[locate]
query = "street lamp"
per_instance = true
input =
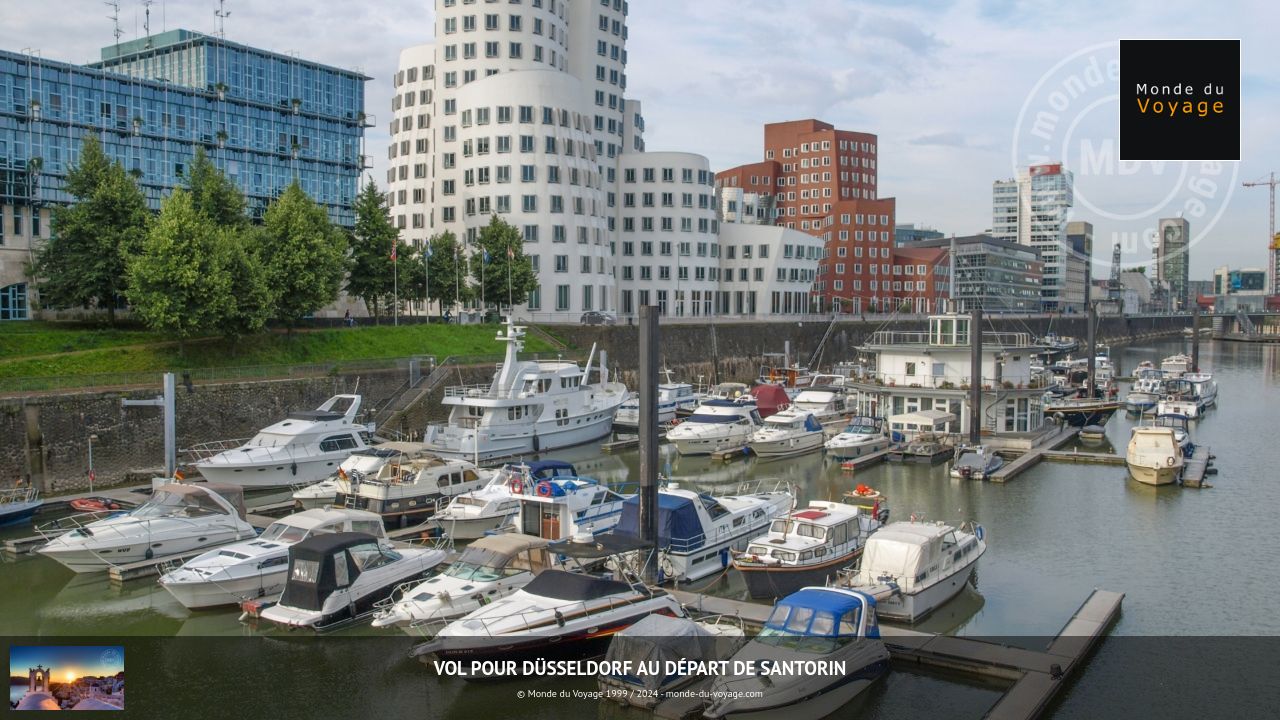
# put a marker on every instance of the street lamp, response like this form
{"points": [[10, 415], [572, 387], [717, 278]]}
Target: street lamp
{"points": [[92, 437]]}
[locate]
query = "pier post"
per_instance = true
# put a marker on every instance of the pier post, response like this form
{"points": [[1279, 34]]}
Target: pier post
{"points": [[170, 427], [1195, 337], [648, 378], [975, 370], [1092, 320]]}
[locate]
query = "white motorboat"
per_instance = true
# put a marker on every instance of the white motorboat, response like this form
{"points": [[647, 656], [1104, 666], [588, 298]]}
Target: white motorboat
{"points": [[18, 504], [789, 432], [305, 447], [862, 436], [362, 463], [673, 398], [975, 462], [490, 568], [806, 547], [697, 533], [1175, 365], [179, 518], [665, 639], [835, 625], [1153, 456], [555, 503], [1181, 398], [1181, 431], [1146, 391], [472, 514], [258, 567], [531, 406], [405, 493], [1203, 388], [912, 568], [336, 578], [829, 403], [715, 426]]}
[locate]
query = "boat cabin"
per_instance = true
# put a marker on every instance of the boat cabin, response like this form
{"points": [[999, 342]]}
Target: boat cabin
{"points": [[914, 555], [835, 615], [909, 426], [324, 564]]}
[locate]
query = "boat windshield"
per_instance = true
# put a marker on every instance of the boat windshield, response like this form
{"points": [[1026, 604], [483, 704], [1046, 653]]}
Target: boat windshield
{"points": [[709, 419], [167, 504], [802, 529], [481, 565], [283, 532], [861, 429], [805, 629]]}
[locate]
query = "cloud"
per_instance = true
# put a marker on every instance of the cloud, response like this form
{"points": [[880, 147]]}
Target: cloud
{"points": [[943, 139]]}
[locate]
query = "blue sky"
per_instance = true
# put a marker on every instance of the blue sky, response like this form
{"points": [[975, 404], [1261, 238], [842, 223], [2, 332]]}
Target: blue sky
{"points": [[81, 659], [942, 82]]}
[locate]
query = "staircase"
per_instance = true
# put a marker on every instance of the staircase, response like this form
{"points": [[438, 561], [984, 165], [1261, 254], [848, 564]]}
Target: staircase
{"points": [[1245, 323], [407, 399]]}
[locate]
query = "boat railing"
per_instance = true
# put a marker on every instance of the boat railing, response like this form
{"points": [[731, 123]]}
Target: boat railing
{"points": [[531, 620], [479, 390], [205, 450], [10, 496]]}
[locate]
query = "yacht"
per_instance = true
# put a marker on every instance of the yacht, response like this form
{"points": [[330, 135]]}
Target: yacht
{"points": [[531, 406], [665, 638], [1080, 411], [862, 436], [1203, 387], [362, 463], [828, 403], [1181, 399], [806, 547], [18, 504], [975, 462], [1145, 392], [178, 518], [555, 503], [813, 624], [473, 514], [335, 579], [912, 568], [558, 614], [1153, 456], [715, 426], [488, 569], [1175, 365], [790, 432], [697, 533], [305, 447], [410, 492], [258, 567], [673, 399]]}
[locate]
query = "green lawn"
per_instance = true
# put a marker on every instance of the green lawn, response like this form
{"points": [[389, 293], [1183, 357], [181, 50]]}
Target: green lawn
{"points": [[305, 346]]}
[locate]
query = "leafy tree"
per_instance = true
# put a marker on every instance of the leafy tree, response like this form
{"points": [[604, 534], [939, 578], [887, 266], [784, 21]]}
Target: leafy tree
{"points": [[371, 274], [504, 246], [304, 255], [447, 269], [252, 301], [213, 194], [84, 262]]}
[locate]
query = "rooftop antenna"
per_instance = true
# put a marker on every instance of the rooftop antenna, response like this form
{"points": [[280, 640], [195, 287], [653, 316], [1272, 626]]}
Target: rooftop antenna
{"points": [[146, 20], [223, 13], [114, 17]]}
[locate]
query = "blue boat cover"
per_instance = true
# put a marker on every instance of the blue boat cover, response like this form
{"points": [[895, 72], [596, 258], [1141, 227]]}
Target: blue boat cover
{"points": [[798, 612], [677, 519], [811, 424], [543, 469]]}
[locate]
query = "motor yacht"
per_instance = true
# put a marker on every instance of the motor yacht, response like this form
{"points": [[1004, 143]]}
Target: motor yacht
{"points": [[473, 514], [790, 432], [975, 462], [1145, 392], [409, 492], [18, 504], [862, 436], [673, 399], [1175, 365], [362, 463], [555, 503], [1153, 456], [828, 403], [1203, 387], [716, 425]]}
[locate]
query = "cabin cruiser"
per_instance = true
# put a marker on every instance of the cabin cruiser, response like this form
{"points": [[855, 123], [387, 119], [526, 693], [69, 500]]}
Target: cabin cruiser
{"points": [[410, 492], [531, 406], [665, 639], [555, 503], [698, 532], [335, 578], [862, 436], [362, 463], [178, 518], [715, 426], [792, 378], [558, 614], [18, 504], [835, 625], [258, 567], [1145, 392], [1181, 431], [1153, 456], [912, 568], [1175, 365], [729, 391], [1080, 411], [790, 432], [673, 399], [305, 447], [806, 547], [488, 569], [828, 403], [1203, 387], [975, 462], [1181, 398], [473, 514]]}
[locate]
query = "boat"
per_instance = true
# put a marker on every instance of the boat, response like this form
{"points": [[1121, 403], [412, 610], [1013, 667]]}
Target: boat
{"points": [[1182, 399], [178, 518], [305, 447], [806, 547], [335, 579], [94, 505], [836, 627], [729, 391], [473, 514], [912, 568], [1175, 365], [406, 493], [827, 402], [1181, 431], [258, 567], [1079, 412], [925, 447], [792, 378], [717, 425], [673, 399], [1058, 345], [488, 569], [770, 399], [975, 462], [1145, 392], [530, 406], [698, 532], [361, 463], [559, 614], [871, 500], [664, 639], [1153, 456], [862, 436], [555, 503], [1093, 434], [1203, 388], [18, 504], [790, 432]]}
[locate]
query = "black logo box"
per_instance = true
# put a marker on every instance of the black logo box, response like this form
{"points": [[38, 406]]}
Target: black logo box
{"points": [[1205, 73]]}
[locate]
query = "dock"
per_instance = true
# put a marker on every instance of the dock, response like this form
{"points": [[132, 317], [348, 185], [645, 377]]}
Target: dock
{"points": [[1197, 467], [1031, 457], [626, 443], [862, 461], [731, 453]]}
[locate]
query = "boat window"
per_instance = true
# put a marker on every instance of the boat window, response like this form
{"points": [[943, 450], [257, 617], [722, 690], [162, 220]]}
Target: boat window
{"points": [[283, 532], [305, 571], [370, 527], [340, 575], [167, 504], [819, 551], [367, 556], [714, 509], [334, 443], [784, 555], [799, 619], [778, 526], [806, 555], [739, 521], [824, 623], [274, 562], [841, 534], [470, 476], [231, 553], [849, 623]]}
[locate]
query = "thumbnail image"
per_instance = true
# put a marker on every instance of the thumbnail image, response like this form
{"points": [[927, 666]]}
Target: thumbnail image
{"points": [[66, 677]]}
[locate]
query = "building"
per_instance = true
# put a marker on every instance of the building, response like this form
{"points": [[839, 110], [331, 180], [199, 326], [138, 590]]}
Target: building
{"points": [[1032, 209], [1137, 294], [265, 119], [766, 269], [991, 274], [907, 234], [1173, 260], [1242, 289], [1080, 242], [921, 279]]}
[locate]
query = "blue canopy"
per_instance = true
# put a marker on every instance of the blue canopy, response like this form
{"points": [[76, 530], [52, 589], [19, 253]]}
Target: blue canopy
{"points": [[678, 526], [543, 469], [822, 612], [811, 424]]}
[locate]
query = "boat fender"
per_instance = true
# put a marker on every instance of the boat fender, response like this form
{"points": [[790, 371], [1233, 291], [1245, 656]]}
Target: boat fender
{"points": [[148, 554], [559, 618], [293, 467], [536, 444], [979, 532], [724, 557], [544, 489]]}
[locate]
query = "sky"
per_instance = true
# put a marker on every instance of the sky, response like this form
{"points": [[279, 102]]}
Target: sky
{"points": [[943, 83], [80, 660]]}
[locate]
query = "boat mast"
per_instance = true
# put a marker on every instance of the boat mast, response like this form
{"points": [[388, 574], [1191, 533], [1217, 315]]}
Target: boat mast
{"points": [[975, 370]]}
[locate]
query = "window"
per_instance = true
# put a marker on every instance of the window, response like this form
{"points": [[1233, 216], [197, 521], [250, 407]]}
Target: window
{"points": [[562, 297]]}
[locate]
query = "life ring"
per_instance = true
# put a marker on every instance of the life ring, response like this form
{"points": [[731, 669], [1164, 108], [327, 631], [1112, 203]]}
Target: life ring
{"points": [[543, 489], [1171, 460], [516, 485], [863, 490], [1170, 398]]}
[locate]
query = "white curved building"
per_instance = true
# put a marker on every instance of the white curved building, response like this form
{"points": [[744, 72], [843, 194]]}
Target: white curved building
{"points": [[411, 168]]}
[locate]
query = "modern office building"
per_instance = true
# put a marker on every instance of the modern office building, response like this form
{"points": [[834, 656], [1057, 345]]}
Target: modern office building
{"points": [[1032, 209], [1080, 241], [767, 269], [264, 118], [1173, 260], [992, 274], [907, 234]]}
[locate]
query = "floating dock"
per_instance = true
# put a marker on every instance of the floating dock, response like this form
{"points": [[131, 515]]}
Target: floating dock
{"points": [[1031, 457], [1197, 467], [626, 443]]}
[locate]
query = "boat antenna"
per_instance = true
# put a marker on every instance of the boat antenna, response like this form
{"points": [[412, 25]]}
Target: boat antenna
{"points": [[787, 528]]}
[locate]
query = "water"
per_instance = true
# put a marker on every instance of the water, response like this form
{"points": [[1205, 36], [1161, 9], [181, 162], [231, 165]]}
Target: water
{"points": [[1055, 533]]}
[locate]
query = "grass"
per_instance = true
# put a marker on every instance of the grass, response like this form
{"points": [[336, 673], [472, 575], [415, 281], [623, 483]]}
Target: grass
{"points": [[124, 351]]}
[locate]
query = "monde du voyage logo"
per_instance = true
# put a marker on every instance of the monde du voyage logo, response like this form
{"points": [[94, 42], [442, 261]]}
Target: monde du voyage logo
{"points": [[1180, 99]]}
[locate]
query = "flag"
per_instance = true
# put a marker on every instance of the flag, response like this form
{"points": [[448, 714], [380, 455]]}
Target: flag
{"points": [[427, 249], [486, 257], [511, 254], [393, 254]]}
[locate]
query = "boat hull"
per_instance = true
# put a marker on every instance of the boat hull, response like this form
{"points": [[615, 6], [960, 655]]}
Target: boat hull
{"points": [[848, 452], [197, 595], [1079, 417], [910, 608], [708, 444], [575, 644], [278, 473], [18, 512], [1155, 475], [787, 446], [768, 582], [548, 438], [82, 559]]}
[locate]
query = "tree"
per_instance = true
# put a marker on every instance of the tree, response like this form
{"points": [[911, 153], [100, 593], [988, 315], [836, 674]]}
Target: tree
{"points": [[213, 194], [503, 246], [303, 253], [371, 273], [252, 300], [448, 275], [84, 262], [178, 282]]}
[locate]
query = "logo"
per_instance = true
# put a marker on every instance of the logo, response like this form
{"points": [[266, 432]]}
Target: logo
{"points": [[1180, 99]]}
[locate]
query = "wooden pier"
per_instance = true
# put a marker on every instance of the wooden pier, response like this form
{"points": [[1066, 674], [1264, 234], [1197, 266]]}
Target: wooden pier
{"points": [[626, 443], [1197, 467], [863, 461], [1031, 457], [731, 454]]}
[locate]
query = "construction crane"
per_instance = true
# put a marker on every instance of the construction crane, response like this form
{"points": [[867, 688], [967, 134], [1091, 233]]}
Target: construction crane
{"points": [[1273, 246]]}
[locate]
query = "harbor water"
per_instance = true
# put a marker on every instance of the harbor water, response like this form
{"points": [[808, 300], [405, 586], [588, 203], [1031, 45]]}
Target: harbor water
{"points": [[1054, 533]]}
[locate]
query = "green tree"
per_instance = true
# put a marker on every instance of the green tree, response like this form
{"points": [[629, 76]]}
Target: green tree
{"points": [[178, 282], [213, 194], [504, 247], [304, 255], [84, 262], [252, 301], [447, 270], [371, 273]]}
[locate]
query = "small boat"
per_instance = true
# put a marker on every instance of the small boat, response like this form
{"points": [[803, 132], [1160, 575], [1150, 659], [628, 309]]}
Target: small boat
{"points": [[472, 514], [488, 569], [790, 432], [406, 493], [1145, 392], [975, 462], [912, 568], [729, 391], [806, 547], [258, 567], [1203, 387], [335, 579], [862, 436], [1181, 431], [1079, 412], [1181, 399], [94, 505], [178, 518], [1153, 456], [871, 500], [18, 504], [926, 447], [665, 639], [673, 399], [715, 426], [555, 503], [1175, 365], [1093, 434], [365, 462], [813, 624]]}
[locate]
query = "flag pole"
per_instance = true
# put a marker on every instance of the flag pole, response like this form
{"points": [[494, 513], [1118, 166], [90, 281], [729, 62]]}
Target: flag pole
{"points": [[426, 278], [395, 271], [511, 256]]}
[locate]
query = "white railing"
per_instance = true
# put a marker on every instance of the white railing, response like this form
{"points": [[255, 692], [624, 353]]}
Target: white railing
{"points": [[476, 390], [206, 450], [923, 337]]}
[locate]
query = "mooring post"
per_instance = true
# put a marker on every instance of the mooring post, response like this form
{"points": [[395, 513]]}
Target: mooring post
{"points": [[648, 377], [1092, 319], [1195, 337], [975, 370]]}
